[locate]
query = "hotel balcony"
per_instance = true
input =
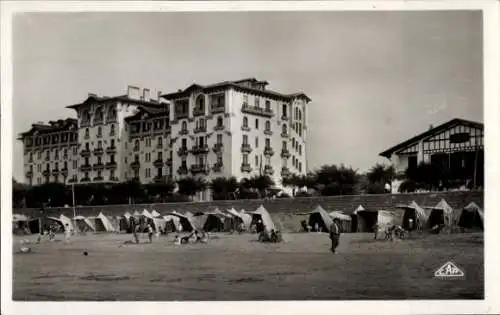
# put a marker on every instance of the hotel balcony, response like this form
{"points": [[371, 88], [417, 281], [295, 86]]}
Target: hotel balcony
{"points": [[160, 179], [29, 173], [85, 168], [268, 170], [47, 158], [268, 151], [284, 117], [200, 130], [86, 137], [285, 153], [159, 145], [168, 162], [268, 132], [182, 170], [285, 171], [217, 167], [98, 179], [85, 180], [65, 157], [98, 166], [284, 135], [158, 162], [199, 112], [219, 128], [217, 147], [200, 149], [72, 180], [135, 164], [99, 135], [245, 128], [218, 109], [64, 171], [245, 167], [85, 153], [181, 115], [111, 165], [98, 151], [257, 111], [199, 168], [111, 150], [182, 151], [55, 171], [183, 132], [245, 147], [137, 149]]}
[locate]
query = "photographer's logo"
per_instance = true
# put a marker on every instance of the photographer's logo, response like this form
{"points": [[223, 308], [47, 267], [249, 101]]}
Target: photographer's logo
{"points": [[449, 271]]}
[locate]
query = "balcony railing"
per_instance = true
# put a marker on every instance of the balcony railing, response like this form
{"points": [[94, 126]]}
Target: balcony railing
{"points": [[159, 145], [285, 171], [98, 178], [268, 132], [55, 171], [245, 167], [245, 128], [285, 153], [137, 149], [199, 112], [111, 150], [217, 167], [218, 109], [199, 168], [29, 173], [183, 132], [268, 170], [245, 147], [160, 179], [99, 135], [217, 147], [47, 158], [181, 115], [65, 156], [64, 170], [284, 134], [86, 137], [168, 162], [182, 170], [200, 129], [268, 151], [219, 127], [183, 151], [284, 117], [72, 180], [200, 149], [85, 152], [111, 165], [135, 164], [85, 167], [85, 180], [158, 162], [257, 110], [98, 166], [98, 151]]}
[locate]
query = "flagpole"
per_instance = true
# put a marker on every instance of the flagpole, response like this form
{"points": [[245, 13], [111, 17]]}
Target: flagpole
{"points": [[73, 193]]}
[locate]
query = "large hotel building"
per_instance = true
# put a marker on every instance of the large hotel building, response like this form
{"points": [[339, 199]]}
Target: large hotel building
{"points": [[231, 128]]}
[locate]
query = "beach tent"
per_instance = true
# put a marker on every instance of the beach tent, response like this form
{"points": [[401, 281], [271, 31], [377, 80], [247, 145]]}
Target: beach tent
{"points": [[185, 222], [67, 223], [155, 214], [239, 219], [102, 223], [364, 220], [345, 220], [82, 224], [403, 214], [124, 222], [441, 213], [20, 224], [217, 221], [198, 219], [246, 217], [171, 223], [470, 217], [262, 214], [319, 217]]}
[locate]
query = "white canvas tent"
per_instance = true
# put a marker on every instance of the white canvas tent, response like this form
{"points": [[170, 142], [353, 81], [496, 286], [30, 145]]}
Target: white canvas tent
{"points": [[319, 217], [240, 217], [185, 222], [102, 223], [344, 220], [155, 214], [262, 214], [172, 223], [82, 224], [441, 213], [470, 217], [365, 220], [412, 211]]}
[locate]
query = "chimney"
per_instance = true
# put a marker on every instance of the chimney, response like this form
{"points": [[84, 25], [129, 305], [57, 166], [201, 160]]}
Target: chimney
{"points": [[159, 97], [145, 94], [133, 92], [430, 127]]}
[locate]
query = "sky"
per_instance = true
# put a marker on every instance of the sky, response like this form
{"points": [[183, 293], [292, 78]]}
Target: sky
{"points": [[375, 78]]}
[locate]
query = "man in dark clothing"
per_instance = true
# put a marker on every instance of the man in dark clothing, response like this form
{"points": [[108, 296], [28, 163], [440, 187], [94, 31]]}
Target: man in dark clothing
{"points": [[334, 235]]}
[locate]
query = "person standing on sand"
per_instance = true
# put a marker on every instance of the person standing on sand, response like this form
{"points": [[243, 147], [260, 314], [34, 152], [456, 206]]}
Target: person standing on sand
{"points": [[334, 235], [135, 230], [149, 229]]}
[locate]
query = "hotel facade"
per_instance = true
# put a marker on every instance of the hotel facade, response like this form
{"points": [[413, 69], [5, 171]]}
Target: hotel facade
{"points": [[232, 128]]}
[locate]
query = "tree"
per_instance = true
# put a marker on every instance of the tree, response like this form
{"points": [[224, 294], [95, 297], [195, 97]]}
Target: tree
{"points": [[256, 186], [224, 188], [332, 180], [189, 186], [19, 192], [378, 176]]}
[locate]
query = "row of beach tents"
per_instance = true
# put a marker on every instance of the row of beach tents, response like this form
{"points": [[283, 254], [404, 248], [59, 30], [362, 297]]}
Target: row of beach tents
{"points": [[360, 220], [422, 218], [211, 221]]}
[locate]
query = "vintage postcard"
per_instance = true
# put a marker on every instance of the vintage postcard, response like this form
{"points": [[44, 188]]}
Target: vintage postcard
{"points": [[253, 157]]}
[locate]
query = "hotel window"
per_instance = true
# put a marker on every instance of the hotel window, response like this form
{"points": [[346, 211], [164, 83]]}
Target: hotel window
{"points": [[284, 145], [245, 158], [112, 130], [300, 149], [284, 109], [65, 153], [99, 132], [56, 167], [87, 132], [184, 126], [245, 122], [136, 173], [148, 157], [113, 143], [112, 158], [99, 144], [293, 161], [268, 160], [219, 159], [99, 160], [56, 154], [268, 143], [256, 123], [39, 167], [245, 99], [136, 144], [284, 129], [245, 139], [111, 174], [39, 155], [300, 166], [136, 158], [256, 161], [65, 165], [75, 165], [148, 142], [300, 130], [87, 161], [220, 122], [268, 125], [183, 163], [160, 156], [160, 142], [268, 105], [293, 143], [256, 142], [184, 143], [296, 113], [202, 123], [47, 154], [75, 150], [31, 157], [219, 138], [257, 102]]}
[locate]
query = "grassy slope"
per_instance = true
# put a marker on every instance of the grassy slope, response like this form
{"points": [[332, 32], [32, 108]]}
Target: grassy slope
{"points": [[238, 268]]}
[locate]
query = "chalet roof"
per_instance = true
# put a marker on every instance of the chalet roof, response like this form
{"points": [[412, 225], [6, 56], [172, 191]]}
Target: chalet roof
{"points": [[429, 133], [150, 111], [236, 84], [123, 98], [52, 126]]}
